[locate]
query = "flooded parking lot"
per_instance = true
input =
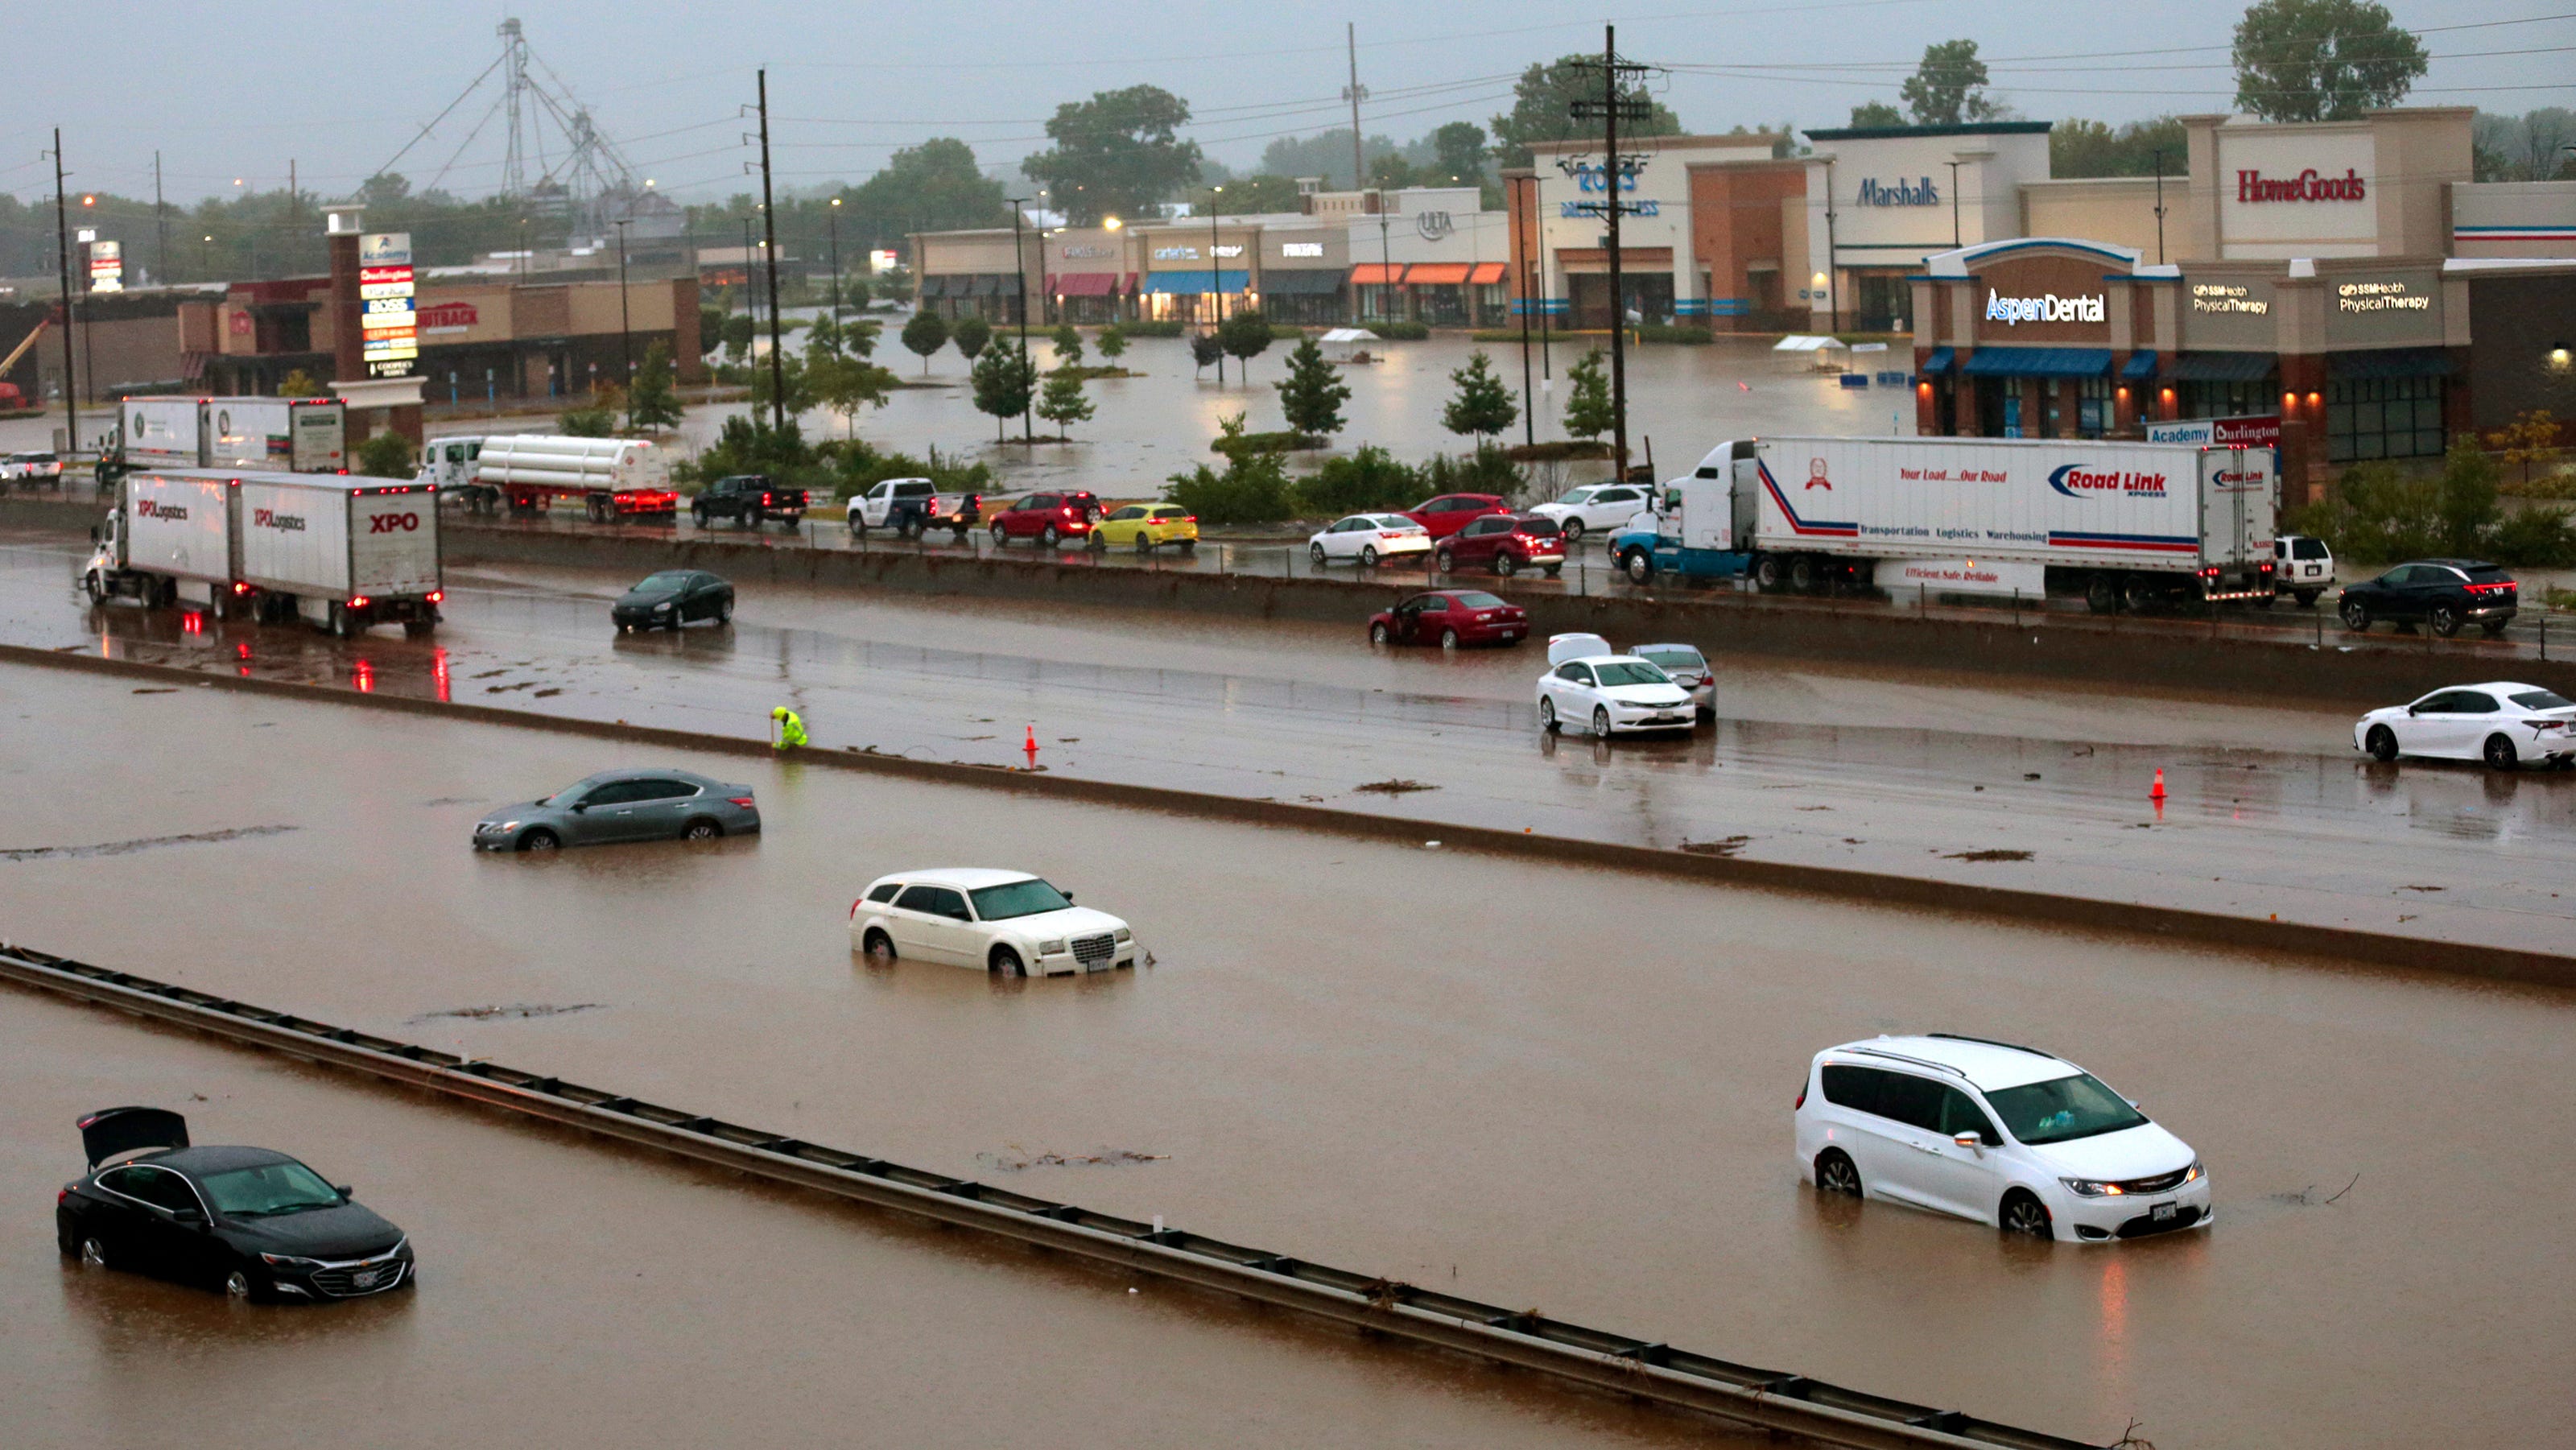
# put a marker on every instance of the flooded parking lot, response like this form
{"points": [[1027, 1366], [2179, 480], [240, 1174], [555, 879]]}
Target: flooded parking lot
{"points": [[1568, 1088]]}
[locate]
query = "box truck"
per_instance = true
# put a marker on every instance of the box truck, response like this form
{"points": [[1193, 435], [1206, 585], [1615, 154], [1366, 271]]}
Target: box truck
{"points": [[287, 435], [2122, 525], [342, 553], [614, 478]]}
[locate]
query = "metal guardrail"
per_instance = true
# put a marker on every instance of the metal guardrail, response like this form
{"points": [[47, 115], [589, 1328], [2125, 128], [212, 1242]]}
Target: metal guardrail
{"points": [[1642, 1370]]}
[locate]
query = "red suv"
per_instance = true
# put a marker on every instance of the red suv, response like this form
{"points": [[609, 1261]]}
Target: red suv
{"points": [[1507, 544], [1049, 518], [1450, 618], [1450, 512]]}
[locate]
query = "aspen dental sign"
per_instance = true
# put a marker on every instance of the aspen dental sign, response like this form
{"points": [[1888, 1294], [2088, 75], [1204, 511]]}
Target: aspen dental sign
{"points": [[2013, 311]]}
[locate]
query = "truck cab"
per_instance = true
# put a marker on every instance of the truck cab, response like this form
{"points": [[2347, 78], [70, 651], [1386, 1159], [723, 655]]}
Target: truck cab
{"points": [[447, 466], [912, 507], [1703, 524]]}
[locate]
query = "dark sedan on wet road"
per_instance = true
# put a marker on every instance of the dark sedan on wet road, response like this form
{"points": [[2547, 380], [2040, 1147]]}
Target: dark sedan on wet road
{"points": [[254, 1223], [653, 804], [672, 598]]}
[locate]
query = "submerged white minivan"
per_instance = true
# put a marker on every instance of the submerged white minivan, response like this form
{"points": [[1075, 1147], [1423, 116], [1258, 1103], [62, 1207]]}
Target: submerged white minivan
{"points": [[2005, 1135]]}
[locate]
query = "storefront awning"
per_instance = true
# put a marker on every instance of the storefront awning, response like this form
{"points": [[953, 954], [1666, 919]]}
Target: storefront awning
{"points": [[1190, 283], [1375, 274], [1486, 274], [1084, 284], [934, 286], [2414, 363], [2039, 362], [2222, 367], [1006, 284], [1940, 361], [2141, 366], [1300, 284], [1438, 274]]}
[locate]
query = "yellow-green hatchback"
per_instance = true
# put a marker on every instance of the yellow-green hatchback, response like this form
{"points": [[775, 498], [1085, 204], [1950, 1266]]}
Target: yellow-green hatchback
{"points": [[1145, 527]]}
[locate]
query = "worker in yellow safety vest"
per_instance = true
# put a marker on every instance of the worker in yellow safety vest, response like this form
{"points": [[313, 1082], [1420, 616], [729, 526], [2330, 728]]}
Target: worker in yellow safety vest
{"points": [[791, 730]]}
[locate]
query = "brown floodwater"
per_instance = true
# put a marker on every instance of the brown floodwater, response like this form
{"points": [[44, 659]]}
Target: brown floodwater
{"points": [[1561, 1088]]}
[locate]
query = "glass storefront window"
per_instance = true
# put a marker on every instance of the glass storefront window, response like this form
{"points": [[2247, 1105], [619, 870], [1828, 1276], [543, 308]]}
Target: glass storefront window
{"points": [[2095, 414], [2369, 418], [2230, 400]]}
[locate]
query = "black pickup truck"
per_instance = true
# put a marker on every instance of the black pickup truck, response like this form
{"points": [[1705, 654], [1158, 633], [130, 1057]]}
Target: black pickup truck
{"points": [[749, 499]]}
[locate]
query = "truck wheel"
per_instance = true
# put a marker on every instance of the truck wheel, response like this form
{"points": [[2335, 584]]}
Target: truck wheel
{"points": [[1766, 573], [1803, 574], [858, 527], [343, 623], [698, 515], [91, 587], [1048, 538], [1640, 566], [1505, 564], [2137, 594], [2307, 598], [2099, 594]]}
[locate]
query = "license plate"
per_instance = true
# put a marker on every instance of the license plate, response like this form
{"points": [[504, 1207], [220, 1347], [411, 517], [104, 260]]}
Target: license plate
{"points": [[2161, 1212], [367, 1280]]}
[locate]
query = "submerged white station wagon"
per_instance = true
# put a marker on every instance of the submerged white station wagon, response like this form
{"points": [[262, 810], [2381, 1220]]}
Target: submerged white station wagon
{"points": [[2005, 1135]]}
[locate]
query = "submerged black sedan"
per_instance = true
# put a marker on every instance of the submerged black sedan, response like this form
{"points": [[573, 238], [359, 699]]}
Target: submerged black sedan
{"points": [[672, 598], [256, 1224]]}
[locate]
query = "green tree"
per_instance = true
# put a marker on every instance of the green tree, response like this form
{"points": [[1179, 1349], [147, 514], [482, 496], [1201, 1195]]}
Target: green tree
{"points": [[1482, 405], [1246, 335], [2090, 148], [1115, 154], [737, 336], [1587, 398], [298, 384], [925, 334], [840, 382], [1312, 394], [1004, 379], [971, 334], [711, 321], [1949, 87], [792, 372], [587, 420], [388, 455], [2323, 60], [1392, 172], [933, 187], [1877, 113], [1205, 348], [654, 403], [2468, 507], [1251, 194], [1062, 402], [1113, 343], [1458, 153], [1068, 346], [1543, 102]]}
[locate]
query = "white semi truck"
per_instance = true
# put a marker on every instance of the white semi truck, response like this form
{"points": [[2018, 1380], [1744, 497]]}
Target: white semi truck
{"points": [[285, 435], [614, 478], [2122, 525], [342, 553]]}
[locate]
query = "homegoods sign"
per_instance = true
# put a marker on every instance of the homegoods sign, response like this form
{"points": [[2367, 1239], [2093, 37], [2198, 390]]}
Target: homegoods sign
{"points": [[2308, 185]]}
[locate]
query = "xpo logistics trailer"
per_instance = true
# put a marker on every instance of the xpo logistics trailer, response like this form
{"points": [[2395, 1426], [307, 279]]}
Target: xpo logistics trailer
{"points": [[614, 478], [2121, 525], [284, 435], [341, 553]]}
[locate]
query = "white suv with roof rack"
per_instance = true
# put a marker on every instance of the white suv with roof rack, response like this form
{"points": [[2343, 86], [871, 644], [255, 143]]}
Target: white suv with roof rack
{"points": [[2005, 1135]]}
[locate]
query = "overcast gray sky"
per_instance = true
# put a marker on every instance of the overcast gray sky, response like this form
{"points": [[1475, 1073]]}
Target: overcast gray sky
{"points": [[234, 90]]}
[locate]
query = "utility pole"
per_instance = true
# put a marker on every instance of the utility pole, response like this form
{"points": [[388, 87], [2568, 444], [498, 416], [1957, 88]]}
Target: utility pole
{"points": [[1614, 174], [832, 218], [1954, 205], [63, 259], [1216, 285], [1359, 169], [1020, 270], [2159, 155], [1529, 401], [769, 250], [625, 323], [160, 226]]}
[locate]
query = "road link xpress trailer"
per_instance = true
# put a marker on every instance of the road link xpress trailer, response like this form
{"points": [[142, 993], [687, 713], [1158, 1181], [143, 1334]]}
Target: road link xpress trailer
{"points": [[614, 478], [341, 553], [2121, 525], [285, 435]]}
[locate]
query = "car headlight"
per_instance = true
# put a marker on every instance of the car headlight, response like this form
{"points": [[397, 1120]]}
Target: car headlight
{"points": [[509, 825], [289, 1261], [2195, 1172], [1051, 948], [2092, 1188], [658, 608], [1125, 935]]}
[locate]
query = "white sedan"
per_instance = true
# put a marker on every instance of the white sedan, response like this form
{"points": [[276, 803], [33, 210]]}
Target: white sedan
{"points": [[1368, 538], [1613, 694], [1596, 508], [2503, 724], [1008, 923]]}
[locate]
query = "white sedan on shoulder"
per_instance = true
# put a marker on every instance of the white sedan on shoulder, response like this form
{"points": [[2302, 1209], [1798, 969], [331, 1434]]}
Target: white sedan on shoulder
{"points": [[1613, 695], [1009, 923], [1367, 538], [1596, 508], [2503, 724]]}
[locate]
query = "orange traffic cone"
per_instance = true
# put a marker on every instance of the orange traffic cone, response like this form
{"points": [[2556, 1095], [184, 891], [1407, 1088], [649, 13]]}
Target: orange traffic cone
{"points": [[1031, 746], [2158, 792]]}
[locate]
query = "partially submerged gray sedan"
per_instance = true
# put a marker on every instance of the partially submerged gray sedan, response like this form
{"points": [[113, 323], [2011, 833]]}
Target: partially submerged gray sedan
{"points": [[648, 804]]}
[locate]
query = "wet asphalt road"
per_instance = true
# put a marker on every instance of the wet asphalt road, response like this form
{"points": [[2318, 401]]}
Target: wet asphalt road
{"points": [[1557, 1087], [2270, 811]]}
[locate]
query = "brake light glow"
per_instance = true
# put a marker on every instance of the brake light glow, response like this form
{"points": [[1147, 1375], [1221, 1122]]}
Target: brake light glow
{"points": [[854, 907], [1802, 1097], [744, 801], [2506, 587], [358, 601], [438, 596], [240, 588]]}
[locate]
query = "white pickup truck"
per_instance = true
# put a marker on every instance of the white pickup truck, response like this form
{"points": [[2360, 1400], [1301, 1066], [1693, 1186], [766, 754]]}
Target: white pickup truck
{"points": [[913, 507]]}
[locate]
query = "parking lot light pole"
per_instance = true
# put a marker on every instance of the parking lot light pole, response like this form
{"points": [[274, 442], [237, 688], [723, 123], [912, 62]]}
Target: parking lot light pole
{"points": [[625, 323]]}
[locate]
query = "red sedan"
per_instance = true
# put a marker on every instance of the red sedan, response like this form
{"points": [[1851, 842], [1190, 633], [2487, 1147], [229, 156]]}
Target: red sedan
{"points": [[1049, 518], [1448, 513], [1450, 618]]}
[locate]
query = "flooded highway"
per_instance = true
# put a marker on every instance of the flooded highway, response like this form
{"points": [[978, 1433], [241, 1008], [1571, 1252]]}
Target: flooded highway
{"points": [[647, 1303], [2270, 813], [1557, 1087]]}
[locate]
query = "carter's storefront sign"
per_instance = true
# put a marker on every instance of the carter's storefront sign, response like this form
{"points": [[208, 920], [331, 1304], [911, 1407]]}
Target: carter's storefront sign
{"points": [[2013, 311], [1918, 192]]}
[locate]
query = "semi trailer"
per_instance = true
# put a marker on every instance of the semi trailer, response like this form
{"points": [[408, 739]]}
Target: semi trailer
{"points": [[283, 435], [2121, 525], [341, 553], [614, 479]]}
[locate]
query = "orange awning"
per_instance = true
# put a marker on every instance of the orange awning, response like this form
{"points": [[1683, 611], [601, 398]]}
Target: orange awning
{"points": [[1437, 274], [1487, 274], [1373, 274]]}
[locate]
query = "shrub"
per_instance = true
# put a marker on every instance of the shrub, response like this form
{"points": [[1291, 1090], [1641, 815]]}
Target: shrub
{"points": [[1683, 333], [1368, 481], [749, 445], [856, 468], [1170, 327], [1484, 471], [387, 455], [1205, 348], [1283, 441], [1254, 489], [2534, 538], [972, 335], [1401, 331]]}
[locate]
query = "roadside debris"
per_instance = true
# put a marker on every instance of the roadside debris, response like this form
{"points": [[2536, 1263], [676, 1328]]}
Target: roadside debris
{"points": [[1397, 786], [1990, 855], [1016, 1161], [1727, 847], [128, 848], [511, 1009]]}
